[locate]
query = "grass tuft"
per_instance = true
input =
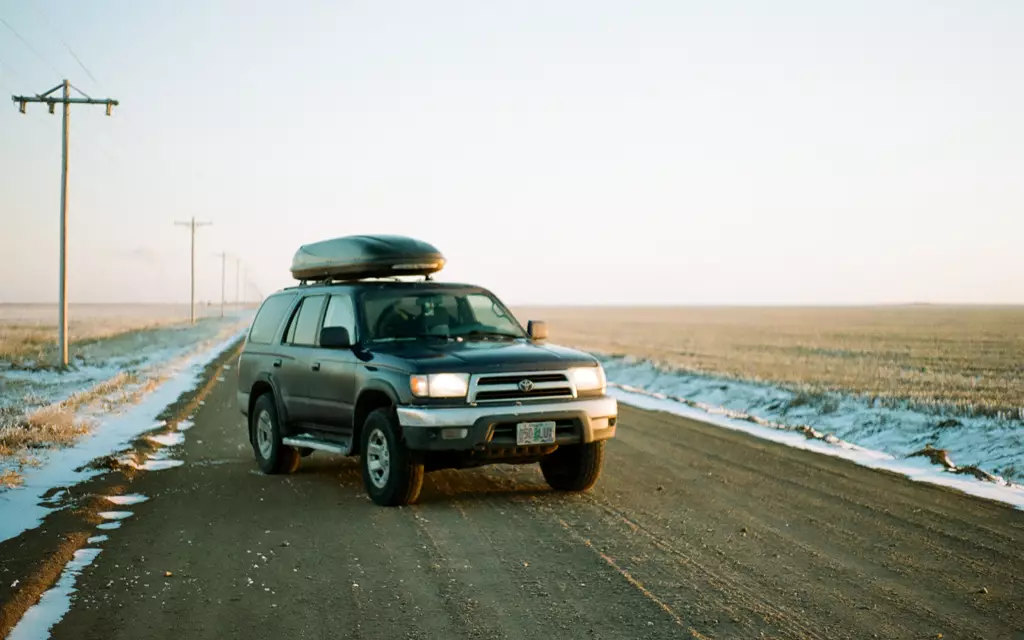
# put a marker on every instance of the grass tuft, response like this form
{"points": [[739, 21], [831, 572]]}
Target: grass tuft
{"points": [[10, 479]]}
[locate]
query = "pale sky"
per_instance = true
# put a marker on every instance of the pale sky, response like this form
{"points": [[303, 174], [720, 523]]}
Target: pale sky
{"points": [[670, 152]]}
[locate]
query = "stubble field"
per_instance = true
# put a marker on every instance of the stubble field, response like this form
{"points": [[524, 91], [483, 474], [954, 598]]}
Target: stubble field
{"points": [[968, 359], [28, 332]]}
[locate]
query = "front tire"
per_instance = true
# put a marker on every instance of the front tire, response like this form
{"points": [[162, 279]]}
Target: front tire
{"points": [[391, 474], [272, 455], [574, 467]]}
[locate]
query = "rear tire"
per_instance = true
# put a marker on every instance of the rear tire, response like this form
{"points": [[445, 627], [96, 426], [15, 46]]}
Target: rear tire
{"points": [[574, 467], [391, 474], [272, 455]]}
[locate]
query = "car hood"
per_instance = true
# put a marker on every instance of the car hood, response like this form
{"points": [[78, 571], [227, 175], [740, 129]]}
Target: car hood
{"points": [[481, 356]]}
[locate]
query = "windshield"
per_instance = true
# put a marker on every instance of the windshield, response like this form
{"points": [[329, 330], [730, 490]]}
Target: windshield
{"points": [[409, 315]]}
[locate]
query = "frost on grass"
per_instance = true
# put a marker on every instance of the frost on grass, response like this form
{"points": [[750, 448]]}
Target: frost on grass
{"points": [[983, 447], [113, 364], [59, 424]]}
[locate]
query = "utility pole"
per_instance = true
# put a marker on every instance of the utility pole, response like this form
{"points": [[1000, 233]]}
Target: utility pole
{"points": [[238, 277], [223, 273], [66, 100], [193, 224]]}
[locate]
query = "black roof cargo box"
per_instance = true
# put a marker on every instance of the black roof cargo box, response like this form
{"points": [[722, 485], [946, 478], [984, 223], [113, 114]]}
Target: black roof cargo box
{"points": [[365, 256]]}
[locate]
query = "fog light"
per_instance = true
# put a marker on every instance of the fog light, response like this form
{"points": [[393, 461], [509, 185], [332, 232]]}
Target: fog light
{"points": [[454, 434]]}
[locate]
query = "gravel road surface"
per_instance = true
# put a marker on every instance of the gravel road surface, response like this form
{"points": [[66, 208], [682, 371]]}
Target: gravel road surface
{"points": [[693, 531]]}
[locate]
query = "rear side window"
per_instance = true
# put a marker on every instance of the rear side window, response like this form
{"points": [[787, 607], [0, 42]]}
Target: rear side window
{"points": [[303, 326], [269, 318]]}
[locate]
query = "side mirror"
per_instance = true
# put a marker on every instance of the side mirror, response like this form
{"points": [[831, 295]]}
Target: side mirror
{"points": [[335, 338], [538, 330]]}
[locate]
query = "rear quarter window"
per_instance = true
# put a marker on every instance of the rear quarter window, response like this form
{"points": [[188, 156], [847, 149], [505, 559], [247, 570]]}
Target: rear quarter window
{"points": [[269, 317]]}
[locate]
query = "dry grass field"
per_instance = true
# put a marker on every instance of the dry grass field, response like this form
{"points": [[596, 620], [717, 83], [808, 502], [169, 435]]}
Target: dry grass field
{"points": [[40, 407], [970, 359], [28, 332]]}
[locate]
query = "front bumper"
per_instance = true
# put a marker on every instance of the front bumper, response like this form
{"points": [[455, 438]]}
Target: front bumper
{"points": [[576, 421]]}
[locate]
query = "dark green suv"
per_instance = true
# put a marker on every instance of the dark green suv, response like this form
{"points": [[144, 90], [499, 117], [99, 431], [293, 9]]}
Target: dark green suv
{"points": [[414, 376]]}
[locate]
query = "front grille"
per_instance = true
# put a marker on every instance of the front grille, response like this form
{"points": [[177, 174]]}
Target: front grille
{"points": [[489, 381], [509, 386], [482, 396]]}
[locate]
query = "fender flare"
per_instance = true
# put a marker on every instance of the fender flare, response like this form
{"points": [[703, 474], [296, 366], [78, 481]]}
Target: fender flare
{"points": [[282, 414], [382, 386]]}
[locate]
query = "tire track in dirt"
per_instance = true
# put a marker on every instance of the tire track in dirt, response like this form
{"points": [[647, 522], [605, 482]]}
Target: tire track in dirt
{"points": [[750, 497], [659, 434], [706, 600]]}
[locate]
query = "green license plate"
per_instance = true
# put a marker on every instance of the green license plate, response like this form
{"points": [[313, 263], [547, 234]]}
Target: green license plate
{"points": [[535, 433]]}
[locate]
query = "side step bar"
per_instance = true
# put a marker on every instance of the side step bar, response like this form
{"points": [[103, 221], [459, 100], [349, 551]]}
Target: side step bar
{"points": [[313, 443]]}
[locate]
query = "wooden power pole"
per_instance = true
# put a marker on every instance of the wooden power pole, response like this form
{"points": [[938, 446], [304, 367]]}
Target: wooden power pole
{"points": [[66, 100], [223, 255], [192, 304]]}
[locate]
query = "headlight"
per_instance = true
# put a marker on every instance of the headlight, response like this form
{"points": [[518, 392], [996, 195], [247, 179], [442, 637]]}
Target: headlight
{"points": [[440, 385], [588, 378]]}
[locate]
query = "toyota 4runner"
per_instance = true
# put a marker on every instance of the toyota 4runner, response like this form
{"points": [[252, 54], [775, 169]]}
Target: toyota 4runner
{"points": [[413, 375]]}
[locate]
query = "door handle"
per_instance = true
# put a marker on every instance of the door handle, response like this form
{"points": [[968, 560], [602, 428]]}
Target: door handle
{"points": [[316, 366], [277, 362]]}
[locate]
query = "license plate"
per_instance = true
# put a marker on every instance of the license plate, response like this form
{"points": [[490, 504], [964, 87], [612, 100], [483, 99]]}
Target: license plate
{"points": [[535, 433]]}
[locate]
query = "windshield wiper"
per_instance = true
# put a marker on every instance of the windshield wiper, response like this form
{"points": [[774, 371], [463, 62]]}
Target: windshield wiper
{"points": [[413, 336], [489, 334]]}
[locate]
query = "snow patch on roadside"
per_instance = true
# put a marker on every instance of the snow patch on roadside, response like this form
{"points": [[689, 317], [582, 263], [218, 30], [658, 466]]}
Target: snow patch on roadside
{"points": [[916, 468], [115, 515], [40, 618], [126, 500], [993, 445], [22, 508], [167, 439]]}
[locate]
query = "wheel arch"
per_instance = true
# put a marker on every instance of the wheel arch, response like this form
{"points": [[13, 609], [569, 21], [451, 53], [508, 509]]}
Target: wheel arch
{"points": [[373, 397], [262, 386]]}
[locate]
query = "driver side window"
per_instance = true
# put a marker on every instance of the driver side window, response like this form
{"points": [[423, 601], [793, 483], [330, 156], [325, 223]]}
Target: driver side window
{"points": [[486, 312], [341, 313]]}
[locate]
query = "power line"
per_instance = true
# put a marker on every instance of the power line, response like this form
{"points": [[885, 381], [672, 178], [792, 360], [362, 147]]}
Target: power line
{"points": [[67, 46], [31, 48], [66, 100], [105, 145]]}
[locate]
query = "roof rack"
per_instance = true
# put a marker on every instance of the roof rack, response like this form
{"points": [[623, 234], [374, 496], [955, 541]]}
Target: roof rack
{"points": [[330, 281]]}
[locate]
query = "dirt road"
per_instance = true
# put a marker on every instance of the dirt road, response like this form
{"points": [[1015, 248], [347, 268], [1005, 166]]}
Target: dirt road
{"points": [[693, 531]]}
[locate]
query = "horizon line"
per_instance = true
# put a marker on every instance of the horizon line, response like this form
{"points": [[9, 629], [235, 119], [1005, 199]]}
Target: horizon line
{"points": [[580, 304]]}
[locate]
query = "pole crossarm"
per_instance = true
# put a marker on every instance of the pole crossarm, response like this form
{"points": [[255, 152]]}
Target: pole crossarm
{"points": [[67, 101], [52, 100]]}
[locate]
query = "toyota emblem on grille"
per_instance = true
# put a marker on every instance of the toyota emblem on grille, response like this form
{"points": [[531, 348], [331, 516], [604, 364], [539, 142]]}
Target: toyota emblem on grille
{"points": [[526, 385]]}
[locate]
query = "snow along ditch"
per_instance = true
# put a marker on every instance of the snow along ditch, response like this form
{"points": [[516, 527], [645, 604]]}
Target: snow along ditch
{"points": [[991, 450], [23, 508]]}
